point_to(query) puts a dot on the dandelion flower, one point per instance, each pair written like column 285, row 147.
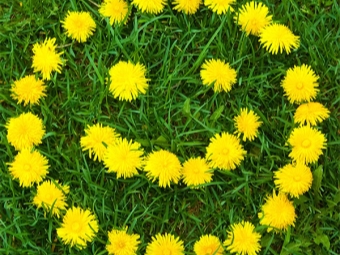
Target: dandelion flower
column 243, row 239
column 208, row 245
column 51, row 196
column 247, row 123
column 307, row 144
column 219, row 6
column 294, row 179
column 196, row 171
column 122, row 243
column 116, row 10
column 97, row 139
column 25, row 131
column 300, row 84
column 163, row 165
column 79, row 25
column 225, row 151
column 46, row 59
column 124, row 158
column 187, row 6
column 127, row 80
column 311, row 113
column 219, row 73
column 253, row 17
column 278, row 212
column 29, row 166
column 277, row 37
column 150, row 6
column 28, row 90
column 79, row 227
column 165, row 244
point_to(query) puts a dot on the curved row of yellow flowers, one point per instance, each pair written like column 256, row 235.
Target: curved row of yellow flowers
column 125, row 158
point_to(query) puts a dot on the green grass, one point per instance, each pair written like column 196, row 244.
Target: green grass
column 177, row 114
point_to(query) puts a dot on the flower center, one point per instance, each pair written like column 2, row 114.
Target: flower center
column 121, row 245
column 225, row 151
column 209, row 251
column 166, row 252
column 296, row 178
column 75, row 226
column 27, row 167
column 306, row 143
column 299, row 85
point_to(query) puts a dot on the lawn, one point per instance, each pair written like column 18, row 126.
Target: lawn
column 177, row 114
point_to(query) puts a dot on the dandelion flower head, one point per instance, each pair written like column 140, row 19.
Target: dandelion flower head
column 300, row 84
column 150, row 6
column 294, row 179
column 29, row 166
column 28, row 90
column 243, row 239
column 164, row 166
column 277, row 212
column 51, row 196
column 218, row 73
column 187, row 6
column 311, row 113
column 307, row 144
column 116, row 10
column 46, row 59
column 253, row 17
column 127, row 80
column 122, row 243
column 219, row 6
column 208, row 245
column 25, row 131
column 78, row 227
column 196, row 171
column 247, row 123
column 79, row 25
column 165, row 244
column 96, row 140
column 225, row 151
column 124, row 158
column 277, row 37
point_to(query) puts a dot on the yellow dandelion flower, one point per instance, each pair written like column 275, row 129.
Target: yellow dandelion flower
column 196, row 171
column 79, row 227
column 247, row 123
column 311, row 113
column 46, row 59
column 165, row 244
column 278, row 212
column 294, row 179
column 51, row 196
column 122, row 243
column 124, row 158
column 219, row 6
column 208, row 245
column 116, row 10
column 97, row 139
column 127, row 80
column 277, row 37
column 300, row 84
column 150, row 6
column 29, row 166
column 225, row 151
column 218, row 73
column 243, row 239
column 28, row 90
column 253, row 17
column 187, row 6
column 163, row 165
column 25, row 131
column 307, row 144
column 79, row 25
